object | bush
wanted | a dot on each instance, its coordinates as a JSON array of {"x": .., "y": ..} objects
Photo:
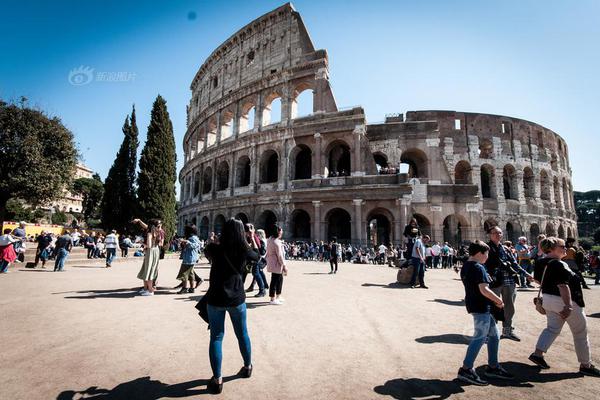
[
  {"x": 586, "y": 243},
  {"x": 39, "y": 215},
  {"x": 59, "y": 218}
]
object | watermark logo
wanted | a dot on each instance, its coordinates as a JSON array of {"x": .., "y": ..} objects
[
  {"x": 81, "y": 76},
  {"x": 84, "y": 75}
]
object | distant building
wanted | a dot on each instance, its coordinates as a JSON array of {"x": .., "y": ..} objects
[{"x": 70, "y": 202}]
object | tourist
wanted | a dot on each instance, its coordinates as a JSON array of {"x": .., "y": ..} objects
[
  {"x": 63, "y": 246},
  {"x": 125, "y": 244},
  {"x": 189, "y": 255},
  {"x": 575, "y": 260},
  {"x": 334, "y": 258},
  {"x": 226, "y": 294},
  {"x": 382, "y": 253},
  {"x": 418, "y": 262},
  {"x": 75, "y": 235},
  {"x": 504, "y": 270},
  {"x": 562, "y": 296},
  {"x": 111, "y": 244},
  {"x": 435, "y": 253},
  {"x": 43, "y": 248},
  {"x": 154, "y": 240},
  {"x": 479, "y": 300},
  {"x": 276, "y": 264},
  {"x": 7, "y": 250},
  {"x": 20, "y": 245},
  {"x": 524, "y": 259},
  {"x": 445, "y": 253},
  {"x": 90, "y": 244},
  {"x": 411, "y": 231},
  {"x": 259, "y": 273}
]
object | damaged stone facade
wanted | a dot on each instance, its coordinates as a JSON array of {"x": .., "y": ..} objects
[{"x": 248, "y": 154}]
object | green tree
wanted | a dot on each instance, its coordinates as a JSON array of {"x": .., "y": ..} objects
[
  {"x": 16, "y": 211},
  {"x": 38, "y": 155},
  {"x": 59, "y": 218},
  {"x": 119, "y": 200},
  {"x": 91, "y": 190},
  {"x": 587, "y": 207},
  {"x": 157, "y": 176}
]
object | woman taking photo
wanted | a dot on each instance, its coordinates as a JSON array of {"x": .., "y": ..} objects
[
  {"x": 226, "y": 294},
  {"x": 155, "y": 238},
  {"x": 563, "y": 302},
  {"x": 275, "y": 264},
  {"x": 190, "y": 255}
]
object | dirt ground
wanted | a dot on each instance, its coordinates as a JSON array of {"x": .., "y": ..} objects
[{"x": 84, "y": 333}]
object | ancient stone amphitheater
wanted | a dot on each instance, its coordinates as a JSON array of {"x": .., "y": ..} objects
[{"x": 266, "y": 142}]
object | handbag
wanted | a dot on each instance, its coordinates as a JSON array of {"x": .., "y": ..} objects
[
  {"x": 202, "y": 307},
  {"x": 538, "y": 300}
]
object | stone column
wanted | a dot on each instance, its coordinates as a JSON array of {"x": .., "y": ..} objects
[
  {"x": 258, "y": 112},
  {"x": 282, "y": 179},
  {"x": 218, "y": 127},
  {"x": 317, "y": 168},
  {"x": 317, "y": 231},
  {"x": 357, "y": 169},
  {"x": 231, "y": 173},
  {"x": 254, "y": 165},
  {"x": 358, "y": 220},
  {"x": 205, "y": 144},
  {"x": 235, "y": 124},
  {"x": 321, "y": 83},
  {"x": 499, "y": 183},
  {"x": 213, "y": 186}
]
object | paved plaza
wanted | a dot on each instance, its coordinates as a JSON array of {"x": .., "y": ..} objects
[{"x": 84, "y": 333}]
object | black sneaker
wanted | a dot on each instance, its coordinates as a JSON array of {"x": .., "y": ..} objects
[
  {"x": 510, "y": 336},
  {"x": 470, "y": 376},
  {"x": 246, "y": 372},
  {"x": 591, "y": 371},
  {"x": 539, "y": 361},
  {"x": 191, "y": 290},
  {"x": 260, "y": 294},
  {"x": 214, "y": 387},
  {"x": 498, "y": 372}
]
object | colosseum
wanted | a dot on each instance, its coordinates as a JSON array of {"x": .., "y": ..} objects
[{"x": 251, "y": 153}]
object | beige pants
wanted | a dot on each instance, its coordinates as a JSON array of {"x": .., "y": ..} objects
[{"x": 577, "y": 323}]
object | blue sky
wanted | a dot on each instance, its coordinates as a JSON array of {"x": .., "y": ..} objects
[{"x": 536, "y": 60}]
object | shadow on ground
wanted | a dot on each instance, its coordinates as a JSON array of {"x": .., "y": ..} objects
[
  {"x": 141, "y": 388},
  {"x": 115, "y": 293},
  {"x": 449, "y": 302},
  {"x": 527, "y": 374},
  {"x": 451, "y": 338},
  {"x": 596, "y": 315},
  {"x": 393, "y": 285},
  {"x": 415, "y": 388}
]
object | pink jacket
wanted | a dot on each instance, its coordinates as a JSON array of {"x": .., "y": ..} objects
[{"x": 274, "y": 256}]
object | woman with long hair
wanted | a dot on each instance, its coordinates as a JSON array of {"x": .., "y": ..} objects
[
  {"x": 276, "y": 264},
  {"x": 154, "y": 240},
  {"x": 562, "y": 297},
  {"x": 226, "y": 295}
]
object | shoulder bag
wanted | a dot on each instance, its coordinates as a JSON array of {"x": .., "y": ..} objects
[{"x": 538, "y": 300}]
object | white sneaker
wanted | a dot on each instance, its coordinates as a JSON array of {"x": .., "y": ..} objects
[
  {"x": 276, "y": 302},
  {"x": 281, "y": 299},
  {"x": 147, "y": 293}
]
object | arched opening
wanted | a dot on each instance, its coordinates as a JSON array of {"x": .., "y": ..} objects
[
  {"x": 513, "y": 231},
  {"x": 534, "y": 232},
  {"x": 300, "y": 225},
  {"x": 424, "y": 224},
  {"x": 242, "y": 172},
  {"x": 509, "y": 180},
  {"x": 301, "y": 162},
  {"x": 246, "y": 120},
  {"x": 219, "y": 223},
  {"x": 544, "y": 185},
  {"x": 196, "y": 184},
  {"x": 339, "y": 225},
  {"x": 550, "y": 231},
  {"x": 188, "y": 187},
  {"x": 378, "y": 228},
  {"x": 569, "y": 232},
  {"x": 528, "y": 183},
  {"x": 381, "y": 162},
  {"x": 489, "y": 224},
  {"x": 204, "y": 228},
  {"x": 226, "y": 124},
  {"x": 462, "y": 173},
  {"x": 557, "y": 198},
  {"x": 272, "y": 110},
  {"x": 194, "y": 219},
  {"x": 223, "y": 175},
  {"x": 302, "y": 104},
  {"x": 269, "y": 167},
  {"x": 211, "y": 135},
  {"x": 339, "y": 160},
  {"x": 417, "y": 163},
  {"x": 561, "y": 232},
  {"x": 266, "y": 220},
  {"x": 200, "y": 140},
  {"x": 488, "y": 184},
  {"x": 554, "y": 162},
  {"x": 486, "y": 149},
  {"x": 242, "y": 217},
  {"x": 454, "y": 226},
  {"x": 207, "y": 180}
]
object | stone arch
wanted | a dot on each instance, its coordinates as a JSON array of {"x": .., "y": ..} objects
[
  {"x": 488, "y": 181},
  {"x": 302, "y": 100},
  {"x": 196, "y": 184},
  {"x": 269, "y": 167},
  {"x": 556, "y": 188},
  {"x": 424, "y": 224},
  {"x": 301, "y": 162},
  {"x": 266, "y": 220},
  {"x": 417, "y": 162},
  {"x": 242, "y": 217},
  {"x": 247, "y": 116},
  {"x": 528, "y": 183},
  {"x": 381, "y": 160},
  {"x": 550, "y": 230},
  {"x": 207, "y": 180},
  {"x": 463, "y": 173},
  {"x": 199, "y": 139},
  {"x": 513, "y": 231},
  {"x": 561, "y": 232},
  {"x": 339, "y": 157},
  {"x": 534, "y": 232},
  {"x": 544, "y": 185},
  {"x": 379, "y": 227},
  {"x": 454, "y": 229},
  {"x": 339, "y": 225},
  {"x": 300, "y": 225},
  {"x": 242, "y": 172},
  {"x": 211, "y": 132},
  {"x": 271, "y": 113},
  {"x": 509, "y": 181},
  {"x": 569, "y": 232},
  {"x": 486, "y": 148},
  {"x": 227, "y": 116},
  {"x": 223, "y": 175},
  {"x": 219, "y": 224},
  {"x": 204, "y": 227}
]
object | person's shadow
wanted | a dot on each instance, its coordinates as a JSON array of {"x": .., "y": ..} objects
[
  {"x": 415, "y": 388},
  {"x": 449, "y": 302},
  {"x": 450, "y": 338},
  {"x": 142, "y": 389}
]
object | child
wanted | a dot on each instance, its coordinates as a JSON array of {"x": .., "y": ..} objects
[
  {"x": 479, "y": 299},
  {"x": 7, "y": 250}
]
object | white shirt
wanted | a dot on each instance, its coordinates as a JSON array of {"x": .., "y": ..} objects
[
  {"x": 427, "y": 251},
  {"x": 7, "y": 239},
  {"x": 435, "y": 250},
  {"x": 382, "y": 249},
  {"x": 111, "y": 241}
]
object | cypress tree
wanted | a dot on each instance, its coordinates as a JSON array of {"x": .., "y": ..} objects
[
  {"x": 131, "y": 210},
  {"x": 157, "y": 176}
]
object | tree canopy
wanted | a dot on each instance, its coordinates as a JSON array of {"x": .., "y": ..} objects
[{"x": 91, "y": 190}]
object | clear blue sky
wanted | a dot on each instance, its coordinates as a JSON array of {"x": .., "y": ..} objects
[{"x": 537, "y": 60}]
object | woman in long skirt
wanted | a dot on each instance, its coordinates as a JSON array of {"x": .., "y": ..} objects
[{"x": 154, "y": 240}]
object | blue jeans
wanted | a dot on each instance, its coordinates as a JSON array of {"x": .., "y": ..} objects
[
  {"x": 61, "y": 258},
  {"x": 259, "y": 277},
  {"x": 216, "y": 320},
  {"x": 485, "y": 327},
  {"x": 3, "y": 266},
  {"x": 110, "y": 255},
  {"x": 418, "y": 270}
]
